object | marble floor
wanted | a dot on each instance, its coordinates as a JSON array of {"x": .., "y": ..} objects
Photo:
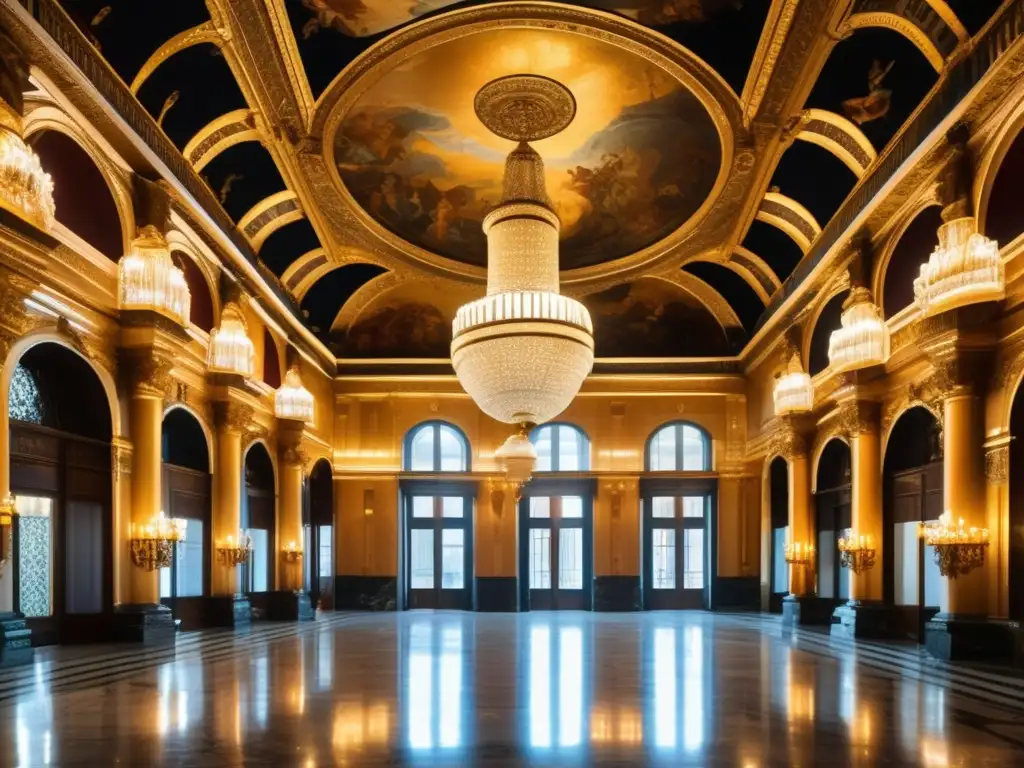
[{"x": 540, "y": 689}]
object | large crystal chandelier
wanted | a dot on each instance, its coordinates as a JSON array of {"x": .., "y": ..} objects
[
  {"x": 147, "y": 278},
  {"x": 292, "y": 400},
  {"x": 862, "y": 339},
  {"x": 965, "y": 268},
  {"x": 793, "y": 392},
  {"x": 523, "y": 351},
  {"x": 231, "y": 350},
  {"x": 25, "y": 188}
]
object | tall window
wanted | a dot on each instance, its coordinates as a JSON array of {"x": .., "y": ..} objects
[
  {"x": 679, "y": 447},
  {"x": 436, "y": 447},
  {"x": 561, "y": 448}
]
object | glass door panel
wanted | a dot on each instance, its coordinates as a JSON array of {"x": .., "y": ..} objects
[
  {"x": 664, "y": 558},
  {"x": 558, "y": 557},
  {"x": 439, "y": 552},
  {"x": 675, "y": 559},
  {"x": 570, "y": 558},
  {"x": 35, "y": 555}
]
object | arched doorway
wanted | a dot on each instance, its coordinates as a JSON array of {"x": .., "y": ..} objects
[
  {"x": 832, "y": 499},
  {"x": 911, "y": 493},
  {"x": 186, "y": 495},
  {"x": 259, "y": 520},
  {"x": 318, "y": 531},
  {"x": 60, "y": 430},
  {"x": 778, "y": 500},
  {"x": 1016, "y": 479}
]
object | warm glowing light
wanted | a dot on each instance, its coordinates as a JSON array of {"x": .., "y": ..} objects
[
  {"x": 148, "y": 280},
  {"x": 856, "y": 551},
  {"x": 863, "y": 338},
  {"x": 25, "y": 188},
  {"x": 292, "y": 551},
  {"x": 231, "y": 350},
  {"x": 516, "y": 458},
  {"x": 293, "y": 400},
  {"x": 523, "y": 351},
  {"x": 235, "y": 550},
  {"x": 152, "y": 543},
  {"x": 7, "y": 513},
  {"x": 959, "y": 549},
  {"x": 965, "y": 268},
  {"x": 793, "y": 392},
  {"x": 799, "y": 553}
]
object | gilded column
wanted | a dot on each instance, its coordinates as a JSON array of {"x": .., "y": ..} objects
[
  {"x": 231, "y": 420},
  {"x": 801, "y": 523},
  {"x": 861, "y": 423},
  {"x": 289, "y": 524}
]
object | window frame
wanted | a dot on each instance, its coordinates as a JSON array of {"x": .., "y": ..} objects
[
  {"x": 555, "y": 428},
  {"x": 678, "y": 426},
  {"x": 435, "y": 425}
]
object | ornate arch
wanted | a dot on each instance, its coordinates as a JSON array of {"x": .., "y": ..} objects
[
  {"x": 720, "y": 309},
  {"x": 821, "y": 440},
  {"x": 837, "y": 135},
  {"x": 903, "y": 26},
  {"x": 219, "y": 135},
  {"x": 893, "y": 410},
  {"x": 204, "y": 33},
  {"x": 885, "y": 253},
  {"x": 992, "y": 156},
  {"x": 746, "y": 259},
  {"x": 203, "y": 425},
  {"x": 269, "y": 215},
  {"x": 791, "y": 217},
  {"x": 839, "y": 284},
  {"x": 178, "y": 241},
  {"x": 247, "y": 445},
  {"x": 363, "y": 296}
]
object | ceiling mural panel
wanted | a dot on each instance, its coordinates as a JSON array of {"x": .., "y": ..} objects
[
  {"x": 653, "y": 318},
  {"x": 638, "y": 161}
]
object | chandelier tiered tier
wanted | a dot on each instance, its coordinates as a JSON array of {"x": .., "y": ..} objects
[
  {"x": 965, "y": 268},
  {"x": 523, "y": 350},
  {"x": 25, "y": 188},
  {"x": 793, "y": 392},
  {"x": 862, "y": 340},
  {"x": 148, "y": 279}
]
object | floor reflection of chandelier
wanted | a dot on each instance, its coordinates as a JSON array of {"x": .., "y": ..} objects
[
  {"x": 523, "y": 350},
  {"x": 965, "y": 268}
]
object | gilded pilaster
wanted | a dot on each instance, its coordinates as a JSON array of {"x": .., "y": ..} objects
[
  {"x": 859, "y": 419},
  {"x": 790, "y": 441},
  {"x": 232, "y": 419},
  {"x": 289, "y": 524}
]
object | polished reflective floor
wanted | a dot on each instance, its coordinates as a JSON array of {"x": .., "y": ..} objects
[{"x": 536, "y": 689}]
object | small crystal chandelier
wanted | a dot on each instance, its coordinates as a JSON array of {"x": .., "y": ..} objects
[
  {"x": 965, "y": 268},
  {"x": 231, "y": 350},
  {"x": 517, "y": 457},
  {"x": 152, "y": 544},
  {"x": 856, "y": 551},
  {"x": 793, "y": 392},
  {"x": 25, "y": 188},
  {"x": 235, "y": 551},
  {"x": 523, "y": 351},
  {"x": 863, "y": 338},
  {"x": 292, "y": 400},
  {"x": 958, "y": 549},
  {"x": 147, "y": 278}
]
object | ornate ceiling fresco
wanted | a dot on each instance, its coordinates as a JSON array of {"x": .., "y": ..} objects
[
  {"x": 640, "y": 158},
  {"x": 714, "y": 141}
]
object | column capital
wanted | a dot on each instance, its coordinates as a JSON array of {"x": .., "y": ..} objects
[
  {"x": 789, "y": 438},
  {"x": 859, "y": 417},
  {"x": 232, "y": 416},
  {"x": 148, "y": 371},
  {"x": 955, "y": 373}
]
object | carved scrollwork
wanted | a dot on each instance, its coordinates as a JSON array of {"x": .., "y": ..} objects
[
  {"x": 148, "y": 373},
  {"x": 293, "y": 455},
  {"x": 232, "y": 417},
  {"x": 787, "y": 443},
  {"x": 997, "y": 464},
  {"x": 858, "y": 418},
  {"x": 121, "y": 457}
]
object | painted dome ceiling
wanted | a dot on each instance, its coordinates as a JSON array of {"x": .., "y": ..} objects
[{"x": 714, "y": 142}]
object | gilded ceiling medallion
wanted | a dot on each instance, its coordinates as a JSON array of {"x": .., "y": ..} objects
[{"x": 525, "y": 107}]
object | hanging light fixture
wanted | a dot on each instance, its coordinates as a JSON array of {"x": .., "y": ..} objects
[
  {"x": 793, "y": 392},
  {"x": 523, "y": 351},
  {"x": 862, "y": 339},
  {"x": 958, "y": 549},
  {"x": 147, "y": 278},
  {"x": 25, "y": 188},
  {"x": 292, "y": 400},
  {"x": 965, "y": 268},
  {"x": 231, "y": 350},
  {"x": 517, "y": 457}
]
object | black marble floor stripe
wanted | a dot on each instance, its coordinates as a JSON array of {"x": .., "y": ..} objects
[{"x": 98, "y": 670}]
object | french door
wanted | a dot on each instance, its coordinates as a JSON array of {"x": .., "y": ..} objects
[
  {"x": 438, "y": 551},
  {"x": 677, "y": 525},
  {"x": 556, "y": 546}
]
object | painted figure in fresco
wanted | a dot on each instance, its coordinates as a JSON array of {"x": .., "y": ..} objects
[{"x": 875, "y": 105}]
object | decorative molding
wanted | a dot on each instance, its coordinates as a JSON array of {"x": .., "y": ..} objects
[
  {"x": 204, "y": 33},
  {"x": 232, "y": 416},
  {"x": 787, "y": 442},
  {"x": 860, "y": 417},
  {"x": 997, "y": 464},
  {"x": 121, "y": 457}
]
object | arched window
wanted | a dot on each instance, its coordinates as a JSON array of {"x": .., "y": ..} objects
[
  {"x": 679, "y": 447},
  {"x": 24, "y": 401},
  {"x": 436, "y": 447},
  {"x": 561, "y": 448}
]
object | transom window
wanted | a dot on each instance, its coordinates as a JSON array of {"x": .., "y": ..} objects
[
  {"x": 436, "y": 447},
  {"x": 679, "y": 447},
  {"x": 561, "y": 448}
]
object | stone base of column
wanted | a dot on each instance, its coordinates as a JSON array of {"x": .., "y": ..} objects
[
  {"x": 953, "y": 637},
  {"x": 15, "y": 641},
  {"x": 289, "y": 606},
  {"x": 807, "y": 611},
  {"x": 145, "y": 623},
  {"x": 229, "y": 612},
  {"x": 862, "y": 619}
]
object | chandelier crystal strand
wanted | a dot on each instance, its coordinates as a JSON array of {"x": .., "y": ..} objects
[
  {"x": 292, "y": 400},
  {"x": 231, "y": 350},
  {"x": 965, "y": 268},
  {"x": 148, "y": 279},
  {"x": 523, "y": 351},
  {"x": 793, "y": 392},
  {"x": 863, "y": 338},
  {"x": 25, "y": 188}
]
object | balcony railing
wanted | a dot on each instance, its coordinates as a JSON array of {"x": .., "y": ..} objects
[
  {"x": 967, "y": 73},
  {"x": 70, "y": 39}
]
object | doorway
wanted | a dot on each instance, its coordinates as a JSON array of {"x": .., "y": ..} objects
[
  {"x": 778, "y": 478},
  {"x": 318, "y": 532},
  {"x": 832, "y": 502},
  {"x": 438, "y": 544},
  {"x": 677, "y": 518},
  {"x": 259, "y": 519},
  {"x": 556, "y": 545}
]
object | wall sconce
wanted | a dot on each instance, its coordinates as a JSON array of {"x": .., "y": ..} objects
[
  {"x": 234, "y": 551},
  {"x": 799, "y": 553},
  {"x": 7, "y": 515},
  {"x": 153, "y": 543},
  {"x": 856, "y": 552},
  {"x": 368, "y": 502},
  {"x": 958, "y": 549},
  {"x": 292, "y": 552}
]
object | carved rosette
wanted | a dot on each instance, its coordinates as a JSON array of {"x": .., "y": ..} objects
[{"x": 997, "y": 464}]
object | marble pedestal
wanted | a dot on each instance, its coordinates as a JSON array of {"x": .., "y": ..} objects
[
  {"x": 862, "y": 619},
  {"x": 807, "y": 611},
  {"x": 289, "y": 606},
  {"x": 15, "y": 640},
  {"x": 146, "y": 623},
  {"x": 952, "y": 637},
  {"x": 229, "y": 611}
]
